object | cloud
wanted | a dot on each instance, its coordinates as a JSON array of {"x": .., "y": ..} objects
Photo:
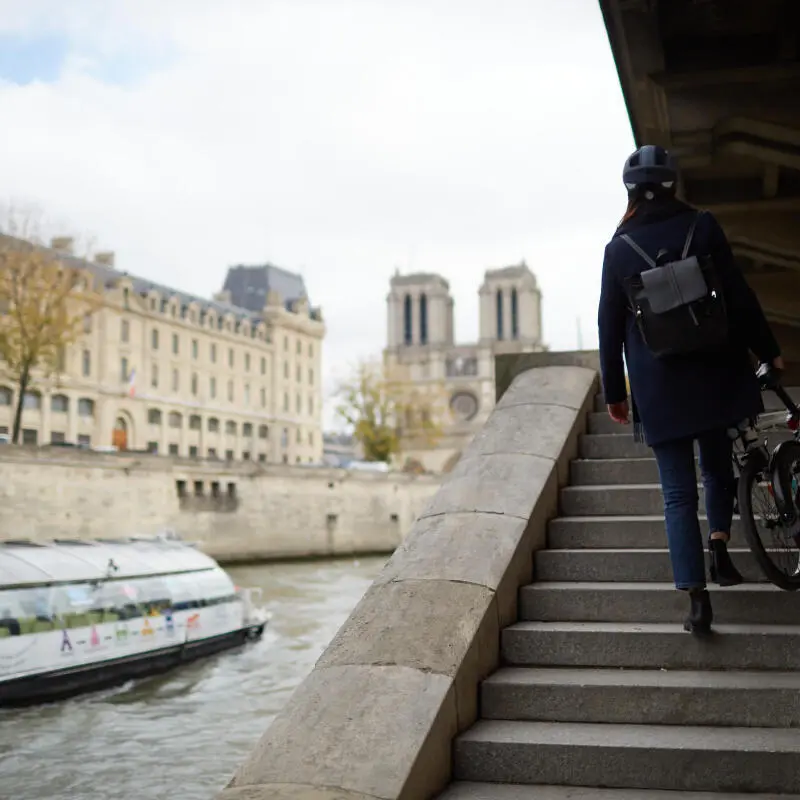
[{"x": 340, "y": 139}]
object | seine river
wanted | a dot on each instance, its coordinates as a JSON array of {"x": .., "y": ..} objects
[{"x": 180, "y": 736}]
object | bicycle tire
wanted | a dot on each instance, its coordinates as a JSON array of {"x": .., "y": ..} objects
[{"x": 749, "y": 475}]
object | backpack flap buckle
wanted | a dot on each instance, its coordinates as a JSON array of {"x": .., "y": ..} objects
[{"x": 676, "y": 284}]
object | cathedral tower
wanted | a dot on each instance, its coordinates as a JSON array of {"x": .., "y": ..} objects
[
  {"x": 420, "y": 311},
  {"x": 510, "y": 306}
]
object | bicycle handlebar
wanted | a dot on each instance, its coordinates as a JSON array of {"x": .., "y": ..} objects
[{"x": 770, "y": 378}]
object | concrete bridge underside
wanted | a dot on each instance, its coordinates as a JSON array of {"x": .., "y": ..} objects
[{"x": 718, "y": 83}]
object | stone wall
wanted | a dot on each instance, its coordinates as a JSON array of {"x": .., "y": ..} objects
[
  {"x": 234, "y": 512},
  {"x": 376, "y": 717}
]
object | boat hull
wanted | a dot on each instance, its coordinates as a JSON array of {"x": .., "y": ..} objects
[{"x": 68, "y": 682}]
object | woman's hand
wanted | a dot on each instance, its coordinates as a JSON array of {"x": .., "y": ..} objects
[{"x": 619, "y": 412}]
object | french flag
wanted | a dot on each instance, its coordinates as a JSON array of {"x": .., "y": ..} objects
[{"x": 132, "y": 383}]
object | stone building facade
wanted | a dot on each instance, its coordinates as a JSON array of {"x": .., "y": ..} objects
[
  {"x": 457, "y": 379},
  {"x": 161, "y": 370}
]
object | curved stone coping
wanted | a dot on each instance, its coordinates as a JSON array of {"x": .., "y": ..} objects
[{"x": 377, "y": 715}]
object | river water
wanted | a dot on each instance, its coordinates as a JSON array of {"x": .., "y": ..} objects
[{"x": 180, "y": 736}]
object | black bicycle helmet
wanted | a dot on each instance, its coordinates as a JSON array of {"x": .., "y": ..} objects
[{"x": 649, "y": 165}]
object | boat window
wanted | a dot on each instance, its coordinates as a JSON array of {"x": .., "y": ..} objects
[
  {"x": 184, "y": 591},
  {"x": 25, "y": 611}
]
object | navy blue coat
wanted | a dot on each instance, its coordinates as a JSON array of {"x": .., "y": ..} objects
[{"x": 680, "y": 396}]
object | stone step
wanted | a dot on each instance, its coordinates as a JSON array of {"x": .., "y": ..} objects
[
  {"x": 771, "y": 401},
  {"x": 614, "y": 500},
  {"x": 628, "y": 565},
  {"x": 749, "y": 603},
  {"x": 643, "y": 697},
  {"x": 622, "y": 445},
  {"x": 606, "y": 471},
  {"x": 650, "y": 646},
  {"x": 466, "y": 790},
  {"x": 644, "y": 531},
  {"x": 667, "y": 757}
]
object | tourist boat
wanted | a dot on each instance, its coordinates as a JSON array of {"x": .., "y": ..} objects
[{"x": 77, "y": 616}]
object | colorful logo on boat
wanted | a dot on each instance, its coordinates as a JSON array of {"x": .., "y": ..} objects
[
  {"x": 121, "y": 632},
  {"x": 169, "y": 622},
  {"x": 146, "y": 628},
  {"x": 193, "y": 622},
  {"x": 65, "y": 642},
  {"x": 94, "y": 639}
]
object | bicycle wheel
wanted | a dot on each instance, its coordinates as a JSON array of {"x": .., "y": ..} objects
[{"x": 774, "y": 546}]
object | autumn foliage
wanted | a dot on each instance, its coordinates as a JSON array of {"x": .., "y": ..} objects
[
  {"x": 381, "y": 409},
  {"x": 42, "y": 307}
]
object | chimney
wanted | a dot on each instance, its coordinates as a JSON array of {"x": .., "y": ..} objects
[
  {"x": 223, "y": 296},
  {"x": 62, "y": 243},
  {"x": 105, "y": 259}
]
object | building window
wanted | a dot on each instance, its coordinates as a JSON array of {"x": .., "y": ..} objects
[
  {"x": 229, "y": 455},
  {"x": 213, "y": 425},
  {"x": 32, "y": 401},
  {"x": 212, "y": 452},
  {"x": 499, "y": 314},
  {"x": 175, "y": 420},
  {"x": 514, "y": 316},
  {"x": 262, "y": 458},
  {"x": 230, "y": 357},
  {"x": 175, "y": 380},
  {"x": 123, "y": 369},
  {"x": 173, "y": 449},
  {"x": 59, "y": 404},
  {"x": 247, "y": 394},
  {"x": 298, "y": 404},
  {"x": 245, "y": 456},
  {"x": 423, "y": 319},
  {"x": 285, "y": 343},
  {"x": 299, "y": 347},
  {"x": 247, "y": 362},
  {"x": 87, "y": 364},
  {"x": 247, "y": 430},
  {"x": 212, "y": 387},
  {"x": 263, "y": 366},
  {"x": 408, "y": 334},
  {"x": 154, "y": 376},
  {"x": 5, "y": 396},
  {"x": 194, "y": 384},
  {"x": 230, "y": 428},
  {"x": 85, "y": 407},
  {"x": 311, "y": 406},
  {"x": 263, "y": 431},
  {"x": 311, "y": 376},
  {"x": 84, "y": 440},
  {"x": 154, "y": 416},
  {"x": 125, "y": 331},
  {"x": 195, "y": 349},
  {"x": 193, "y": 451},
  {"x": 175, "y": 344},
  {"x": 195, "y": 423},
  {"x": 263, "y": 394},
  {"x": 311, "y": 438},
  {"x": 310, "y": 349},
  {"x": 213, "y": 354},
  {"x": 285, "y": 369},
  {"x": 298, "y": 373},
  {"x": 57, "y": 437},
  {"x": 154, "y": 339},
  {"x": 298, "y": 436},
  {"x": 286, "y": 401},
  {"x": 285, "y": 437},
  {"x": 152, "y": 447},
  {"x": 230, "y": 391},
  {"x": 30, "y": 436}
]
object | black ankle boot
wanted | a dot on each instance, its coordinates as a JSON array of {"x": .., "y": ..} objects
[
  {"x": 701, "y": 615},
  {"x": 721, "y": 568}
]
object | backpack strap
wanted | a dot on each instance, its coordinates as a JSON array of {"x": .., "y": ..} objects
[
  {"x": 686, "y": 245},
  {"x": 627, "y": 239},
  {"x": 689, "y": 236}
]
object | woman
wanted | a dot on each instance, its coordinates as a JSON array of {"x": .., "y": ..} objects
[{"x": 680, "y": 399}]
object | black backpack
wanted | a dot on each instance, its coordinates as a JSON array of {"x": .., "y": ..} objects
[{"x": 679, "y": 306}]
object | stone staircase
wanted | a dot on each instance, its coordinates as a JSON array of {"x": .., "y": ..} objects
[{"x": 602, "y": 694}]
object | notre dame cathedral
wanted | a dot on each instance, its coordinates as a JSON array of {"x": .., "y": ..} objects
[{"x": 421, "y": 347}]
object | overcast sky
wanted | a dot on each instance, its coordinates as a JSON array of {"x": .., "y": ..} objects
[{"x": 337, "y": 138}]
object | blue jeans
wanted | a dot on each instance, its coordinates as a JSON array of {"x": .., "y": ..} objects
[{"x": 679, "y": 486}]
